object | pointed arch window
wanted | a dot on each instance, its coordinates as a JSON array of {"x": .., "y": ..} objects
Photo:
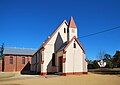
[
  {"x": 53, "y": 59},
  {"x": 74, "y": 45},
  {"x": 64, "y": 30}
]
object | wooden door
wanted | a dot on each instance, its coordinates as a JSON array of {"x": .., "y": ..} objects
[{"x": 60, "y": 64}]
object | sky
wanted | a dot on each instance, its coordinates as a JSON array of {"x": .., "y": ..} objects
[{"x": 28, "y": 23}]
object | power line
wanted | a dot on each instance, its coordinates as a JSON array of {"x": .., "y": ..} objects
[{"x": 99, "y": 32}]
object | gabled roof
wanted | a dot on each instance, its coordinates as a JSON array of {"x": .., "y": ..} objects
[
  {"x": 72, "y": 23},
  {"x": 74, "y": 38},
  {"x": 45, "y": 43},
  {"x": 19, "y": 51},
  {"x": 54, "y": 33}
]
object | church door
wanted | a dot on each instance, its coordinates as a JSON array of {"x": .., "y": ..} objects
[{"x": 60, "y": 64}]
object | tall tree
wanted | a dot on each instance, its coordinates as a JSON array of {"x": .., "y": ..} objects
[
  {"x": 107, "y": 57},
  {"x": 109, "y": 60},
  {"x": 1, "y": 50},
  {"x": 116, "y": 59},
  {"x": 101, "y": 55}
]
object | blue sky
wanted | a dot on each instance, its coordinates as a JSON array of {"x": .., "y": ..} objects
[{"x": 27, "y": 23}]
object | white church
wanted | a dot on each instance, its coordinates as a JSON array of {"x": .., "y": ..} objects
[{"x": 62, "y": 53}]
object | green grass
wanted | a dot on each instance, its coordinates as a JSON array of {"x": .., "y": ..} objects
[
  {"x": 6, "y": 75},
  {"x": 114, "y": 71}
]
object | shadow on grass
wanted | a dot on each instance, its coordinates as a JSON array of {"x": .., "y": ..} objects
[{"x": 106, "y": 71}]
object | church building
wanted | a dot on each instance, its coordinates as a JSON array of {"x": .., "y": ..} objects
[{"x": 61, "y": 53}]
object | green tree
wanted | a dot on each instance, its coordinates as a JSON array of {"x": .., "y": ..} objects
[
  {"x": 1, "y": 50},
  {"x": 109, "y": 60},
  {"x": 95, "y": 65},
  {"x": 116, "y": 59}
]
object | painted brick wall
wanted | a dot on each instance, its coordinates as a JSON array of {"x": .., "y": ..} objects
[
  {"x": 0, "y": 65},
  {"x": 17, "y": 63}
]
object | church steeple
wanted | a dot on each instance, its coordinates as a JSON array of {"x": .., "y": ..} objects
[
  {"x": 72, "y": 29},
  {"x": 72, "y": 23}
]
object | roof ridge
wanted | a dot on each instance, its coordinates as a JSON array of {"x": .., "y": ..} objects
[{"x": 47, "y": 40}]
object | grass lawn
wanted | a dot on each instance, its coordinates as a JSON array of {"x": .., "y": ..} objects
[
  {"x": 112, "y": 71},
  {"x": 6, "y": 74}
]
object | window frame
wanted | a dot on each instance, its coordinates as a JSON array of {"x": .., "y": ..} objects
[
  {"x": 23, "y": 59},
  {"x": 11, "y": 59},
  {"x": 73, "y": 30},
  {"x": 74, "y": 45},
  {"x": 53, "y": 59},
  {"x": 64, "y": 30}
]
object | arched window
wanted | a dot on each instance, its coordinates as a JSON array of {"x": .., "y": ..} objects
[
  {"x": 64, "y": 30},
  {"x": 53, "y": 59},
  {"x": 74, "y": 45}
]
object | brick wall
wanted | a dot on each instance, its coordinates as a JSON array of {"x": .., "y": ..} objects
[
  {"x": 17, "y": 63},
  {"x": 0, "y": 65}
]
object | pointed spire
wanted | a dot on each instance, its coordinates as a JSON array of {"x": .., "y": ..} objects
[{"x": 72, "y": 23}]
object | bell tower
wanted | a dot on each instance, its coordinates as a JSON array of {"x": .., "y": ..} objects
[{"x": 72, "y": 29}]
